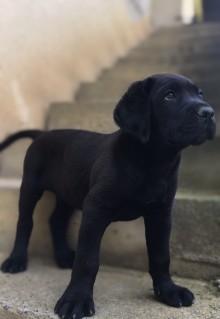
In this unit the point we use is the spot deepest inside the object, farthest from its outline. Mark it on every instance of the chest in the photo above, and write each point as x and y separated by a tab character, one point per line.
151	191
153	188
142	199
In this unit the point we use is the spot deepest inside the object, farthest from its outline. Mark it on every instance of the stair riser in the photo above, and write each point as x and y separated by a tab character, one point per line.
173	58
128	75
209	44
116	90
137	71
198	30
201	33
207	67
114	85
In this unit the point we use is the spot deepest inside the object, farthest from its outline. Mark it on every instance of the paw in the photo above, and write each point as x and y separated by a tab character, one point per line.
173	295
14	264
74	305
65	259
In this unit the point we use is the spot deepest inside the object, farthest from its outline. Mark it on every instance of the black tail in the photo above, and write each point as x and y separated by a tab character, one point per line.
16	136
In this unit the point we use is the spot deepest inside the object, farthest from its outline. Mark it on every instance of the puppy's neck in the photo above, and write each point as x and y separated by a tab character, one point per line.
155	148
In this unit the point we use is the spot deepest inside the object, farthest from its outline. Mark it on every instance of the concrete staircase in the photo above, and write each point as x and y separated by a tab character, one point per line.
192	51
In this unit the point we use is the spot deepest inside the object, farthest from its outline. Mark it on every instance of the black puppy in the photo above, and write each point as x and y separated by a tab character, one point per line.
114	177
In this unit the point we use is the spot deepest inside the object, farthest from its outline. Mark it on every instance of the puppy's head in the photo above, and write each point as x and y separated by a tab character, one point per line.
168	105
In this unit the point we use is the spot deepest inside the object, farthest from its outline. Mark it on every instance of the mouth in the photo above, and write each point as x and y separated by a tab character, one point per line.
195	136
203	135
199	140
212	131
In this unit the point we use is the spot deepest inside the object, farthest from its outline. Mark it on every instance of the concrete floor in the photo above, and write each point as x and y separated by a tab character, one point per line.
119	293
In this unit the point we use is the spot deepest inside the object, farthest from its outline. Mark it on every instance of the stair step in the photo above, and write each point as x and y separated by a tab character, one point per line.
118	294
197	30
86	115
128	74
202	72
110	85
193	41
168	41
124	74
191	56
98	117
102	90
199	66
195	217
113	89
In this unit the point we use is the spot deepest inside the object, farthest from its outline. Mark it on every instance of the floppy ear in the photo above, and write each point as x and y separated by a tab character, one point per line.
133	111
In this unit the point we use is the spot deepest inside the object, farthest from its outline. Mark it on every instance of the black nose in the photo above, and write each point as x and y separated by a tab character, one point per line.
206	112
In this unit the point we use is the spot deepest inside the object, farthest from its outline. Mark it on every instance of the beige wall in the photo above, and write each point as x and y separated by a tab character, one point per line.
48	47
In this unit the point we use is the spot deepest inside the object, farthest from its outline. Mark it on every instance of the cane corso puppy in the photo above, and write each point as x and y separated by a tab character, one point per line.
121	176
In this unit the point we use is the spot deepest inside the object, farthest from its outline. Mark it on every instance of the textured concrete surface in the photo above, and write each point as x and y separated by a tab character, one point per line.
118	294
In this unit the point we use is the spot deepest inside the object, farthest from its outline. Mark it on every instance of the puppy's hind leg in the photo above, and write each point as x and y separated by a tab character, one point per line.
59	222
29	195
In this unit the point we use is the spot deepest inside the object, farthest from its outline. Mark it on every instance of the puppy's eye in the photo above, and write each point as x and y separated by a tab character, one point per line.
170	96
201	94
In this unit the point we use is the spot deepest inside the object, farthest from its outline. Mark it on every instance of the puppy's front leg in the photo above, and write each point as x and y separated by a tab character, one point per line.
158	227
77	300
